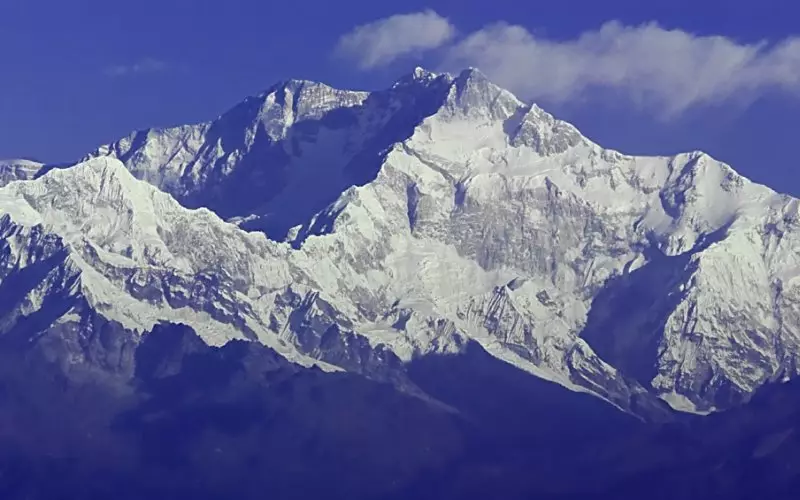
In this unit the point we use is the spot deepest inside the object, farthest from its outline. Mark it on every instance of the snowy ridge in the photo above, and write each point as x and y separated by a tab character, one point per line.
143	258
18	169
408	221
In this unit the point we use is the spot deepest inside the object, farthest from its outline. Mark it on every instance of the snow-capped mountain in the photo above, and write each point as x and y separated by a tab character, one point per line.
360	231
18	169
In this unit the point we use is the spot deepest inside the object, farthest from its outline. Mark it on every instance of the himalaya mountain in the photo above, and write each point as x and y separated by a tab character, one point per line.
438	242
443	209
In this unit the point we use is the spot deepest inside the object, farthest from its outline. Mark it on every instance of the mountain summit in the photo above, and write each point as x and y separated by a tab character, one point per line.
364	231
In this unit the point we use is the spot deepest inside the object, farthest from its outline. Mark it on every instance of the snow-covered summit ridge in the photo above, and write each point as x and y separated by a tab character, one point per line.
445	208
295	147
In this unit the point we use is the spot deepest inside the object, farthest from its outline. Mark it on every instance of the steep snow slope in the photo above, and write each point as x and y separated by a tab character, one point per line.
446	208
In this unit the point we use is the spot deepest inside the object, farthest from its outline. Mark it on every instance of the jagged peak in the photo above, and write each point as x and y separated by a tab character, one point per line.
472	94
698	162
473	78
419	76
538	129
473	73
290	101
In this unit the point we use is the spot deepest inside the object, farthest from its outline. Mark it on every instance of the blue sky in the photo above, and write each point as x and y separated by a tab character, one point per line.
641	77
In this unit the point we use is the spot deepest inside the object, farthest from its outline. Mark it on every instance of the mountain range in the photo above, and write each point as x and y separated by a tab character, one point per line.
434	289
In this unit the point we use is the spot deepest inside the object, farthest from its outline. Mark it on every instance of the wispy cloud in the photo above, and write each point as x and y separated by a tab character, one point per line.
670	70
665	70
147	65
383	41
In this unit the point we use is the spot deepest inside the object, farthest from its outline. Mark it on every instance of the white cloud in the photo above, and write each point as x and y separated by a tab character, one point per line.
147	65
383	41
665	70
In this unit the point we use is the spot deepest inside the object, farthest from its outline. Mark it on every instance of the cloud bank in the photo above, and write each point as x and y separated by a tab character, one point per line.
670	69
666	70
381	42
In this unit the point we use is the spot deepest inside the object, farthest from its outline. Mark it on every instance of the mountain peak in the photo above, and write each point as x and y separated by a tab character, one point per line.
419	76
420	73
377	184
473	73
473	95
18	169
475	79
23	162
